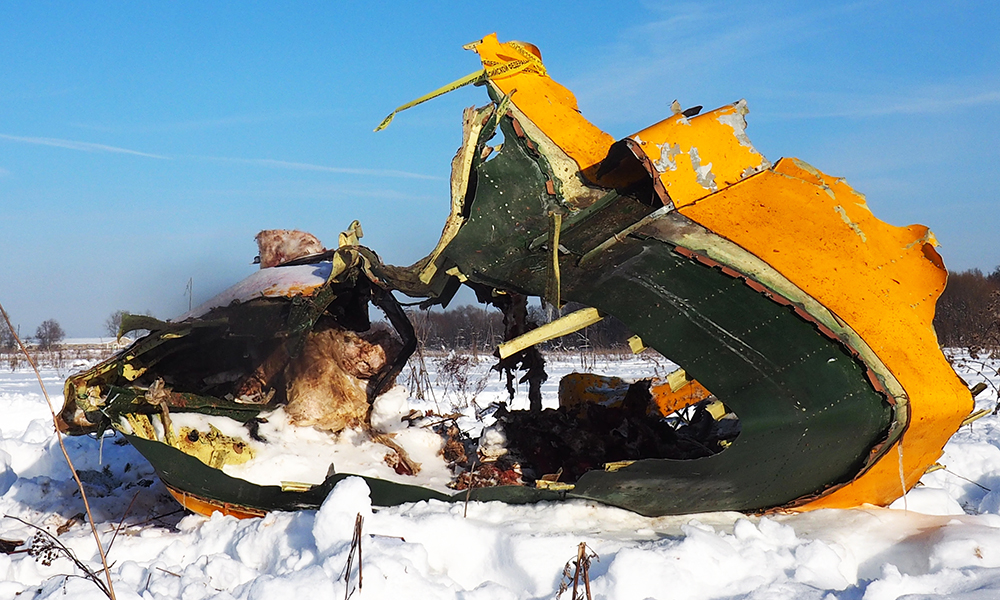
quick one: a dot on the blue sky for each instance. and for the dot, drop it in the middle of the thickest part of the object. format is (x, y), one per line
(143, 146)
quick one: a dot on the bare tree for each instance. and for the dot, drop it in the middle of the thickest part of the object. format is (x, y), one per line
(114, 322)
(968, 312)
(49, 334)
(478, 329)
(994, 277)
(7, 341)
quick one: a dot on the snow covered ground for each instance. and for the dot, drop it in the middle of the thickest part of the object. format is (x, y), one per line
(945, 543)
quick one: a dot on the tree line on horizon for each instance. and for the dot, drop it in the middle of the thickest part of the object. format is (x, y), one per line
(47, 336)
(967, 316)
(477, 329)
(968, 312)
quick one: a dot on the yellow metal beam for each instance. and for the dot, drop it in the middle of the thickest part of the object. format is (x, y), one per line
(566, 325)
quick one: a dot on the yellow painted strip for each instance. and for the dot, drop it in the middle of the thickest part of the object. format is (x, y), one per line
(979, 414)
(549, 106)
(352, 236)
(454, 272)
(130, 373)
(295, 486)
(697, 156)
(717, 410)
(677, 379)
(669, 401)
(553, 293)
(611, 467)
(454, 85)
(555, 486)
(635, 344)
(572, 322)
(499, 71)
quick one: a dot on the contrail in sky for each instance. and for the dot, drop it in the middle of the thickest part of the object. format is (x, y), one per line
(265, 162)
(296, 166)
(74, 145)
(878, 107)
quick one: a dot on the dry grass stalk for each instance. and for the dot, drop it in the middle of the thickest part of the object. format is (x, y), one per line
(581, 570)
(355, 547)
(121, 523)
(419, 380)
(468, 491)
(984, 367)
(109, 589)
(46, 547)
(453, 373)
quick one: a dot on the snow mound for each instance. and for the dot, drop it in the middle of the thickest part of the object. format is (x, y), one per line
(943, 541)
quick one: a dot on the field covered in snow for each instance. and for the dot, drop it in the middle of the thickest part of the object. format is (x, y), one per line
(943, 541)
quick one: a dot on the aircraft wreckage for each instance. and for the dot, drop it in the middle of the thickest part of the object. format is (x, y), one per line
(812, 376)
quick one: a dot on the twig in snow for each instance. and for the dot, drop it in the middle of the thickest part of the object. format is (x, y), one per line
(967, 479)
(355, 546)
(48, 546)
(109, 589)
(581, 570)
(158, 517)
(982, 368)
(122, 521)
(468, 490)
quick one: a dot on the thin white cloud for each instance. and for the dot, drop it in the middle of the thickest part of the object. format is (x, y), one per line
(199, 124)
(297, 166)
(878, 107)
(264, 162)
(320, 191)
(75, 145)
(692, 44)
(698, 52)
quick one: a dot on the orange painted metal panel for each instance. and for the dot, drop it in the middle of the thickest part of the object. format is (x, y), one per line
(670, 401)
(206, 507)
(699, 155)
(881, 280)
(548, 104)
(578, 389)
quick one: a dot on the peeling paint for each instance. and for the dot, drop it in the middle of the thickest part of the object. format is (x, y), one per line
(706, 178)
(737, 120)
(854, 226)
(667, 162)
(926, 238)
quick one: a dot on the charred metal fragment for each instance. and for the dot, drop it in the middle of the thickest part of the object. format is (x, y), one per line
(514, 307)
